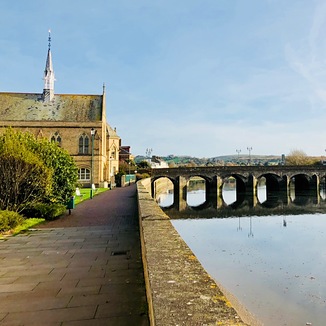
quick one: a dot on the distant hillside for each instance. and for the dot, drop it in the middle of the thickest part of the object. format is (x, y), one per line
(174, 160)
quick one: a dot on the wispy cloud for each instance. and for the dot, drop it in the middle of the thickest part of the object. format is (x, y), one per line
(308, 58)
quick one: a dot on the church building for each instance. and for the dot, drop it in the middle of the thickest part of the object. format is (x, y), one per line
(77, 122)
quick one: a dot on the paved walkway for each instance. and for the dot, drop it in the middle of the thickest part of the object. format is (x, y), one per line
(84, 269)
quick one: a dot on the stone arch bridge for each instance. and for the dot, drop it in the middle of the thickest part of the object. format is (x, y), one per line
(304, 179)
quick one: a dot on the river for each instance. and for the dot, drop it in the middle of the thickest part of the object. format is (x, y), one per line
(275, 264)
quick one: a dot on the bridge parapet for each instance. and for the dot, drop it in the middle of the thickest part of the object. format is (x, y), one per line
(255, 170)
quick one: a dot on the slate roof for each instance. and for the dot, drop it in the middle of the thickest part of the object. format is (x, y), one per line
(110, 131)
(64, 107)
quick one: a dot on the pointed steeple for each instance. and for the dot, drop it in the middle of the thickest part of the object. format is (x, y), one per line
(48, 91)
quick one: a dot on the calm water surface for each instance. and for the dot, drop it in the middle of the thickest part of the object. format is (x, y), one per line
(275, 265)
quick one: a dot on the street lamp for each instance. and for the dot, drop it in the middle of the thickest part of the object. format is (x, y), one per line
(92, 162)
(148, 154)
(129, 172)
(249, 149)
(111, 172)
(238, 151)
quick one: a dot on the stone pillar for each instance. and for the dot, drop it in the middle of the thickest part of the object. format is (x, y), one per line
(214, 192)
(314, 188)
(285, 190)
(180, 193)
(219, 183)
(251, 191)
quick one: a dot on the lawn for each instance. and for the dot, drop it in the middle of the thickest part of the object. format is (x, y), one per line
(85, 193)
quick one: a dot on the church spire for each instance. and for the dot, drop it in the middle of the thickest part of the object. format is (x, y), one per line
(48, 91)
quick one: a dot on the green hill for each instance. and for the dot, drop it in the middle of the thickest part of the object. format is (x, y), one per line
(175, 161)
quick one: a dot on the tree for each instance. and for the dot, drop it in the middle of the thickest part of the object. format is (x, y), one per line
(143, 165)
(24, 178)
(298, 157)
(172, 164)
(40, 171)
(65, 171)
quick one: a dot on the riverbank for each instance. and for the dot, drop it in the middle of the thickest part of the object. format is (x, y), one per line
(179, 290)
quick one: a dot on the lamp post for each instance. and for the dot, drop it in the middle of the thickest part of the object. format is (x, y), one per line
(238, 151)
(111, 172)
(148, 154)
(249, 149)
(129, 172)
(92, 162)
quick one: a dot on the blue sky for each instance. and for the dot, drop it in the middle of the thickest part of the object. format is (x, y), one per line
(185, 77)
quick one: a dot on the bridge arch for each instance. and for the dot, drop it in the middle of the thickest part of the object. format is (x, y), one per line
(303, 186)
(322, 187)
(302, 183)
(273, 182)
(239, 188)
(191, 186)
(163, 184)
(179, 188)
(275, 191)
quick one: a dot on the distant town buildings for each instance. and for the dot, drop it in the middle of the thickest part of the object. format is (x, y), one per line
(157, 163)
(77, 122)
(125, 154)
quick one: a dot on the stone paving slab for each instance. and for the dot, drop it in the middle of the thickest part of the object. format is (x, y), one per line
(78, 270)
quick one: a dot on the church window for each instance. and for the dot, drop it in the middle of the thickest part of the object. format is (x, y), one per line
(84, 174)
(83, 144)
(56, 138)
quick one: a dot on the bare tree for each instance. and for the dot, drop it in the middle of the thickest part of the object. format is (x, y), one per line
(298, 157)
(22, 182)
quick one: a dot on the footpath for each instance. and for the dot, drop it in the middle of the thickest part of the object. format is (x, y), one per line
(83, 269)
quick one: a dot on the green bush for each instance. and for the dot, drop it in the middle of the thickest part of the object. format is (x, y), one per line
(9, 220)
(118, 178)
(47, 211)
(140, 176)
(34, 170)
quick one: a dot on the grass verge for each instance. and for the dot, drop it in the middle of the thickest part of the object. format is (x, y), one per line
(27, 224)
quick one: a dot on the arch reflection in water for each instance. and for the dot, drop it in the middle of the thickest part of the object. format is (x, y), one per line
(194, 195)
(196, 192)
(229, 193)
(279, 204)
(233, 202)
(163, 192)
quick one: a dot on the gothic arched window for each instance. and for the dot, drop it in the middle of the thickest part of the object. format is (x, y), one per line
(83, 144)
(56, 138)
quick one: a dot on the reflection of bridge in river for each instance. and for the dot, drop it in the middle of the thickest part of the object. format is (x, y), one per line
(300, 205)
(293, 187)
